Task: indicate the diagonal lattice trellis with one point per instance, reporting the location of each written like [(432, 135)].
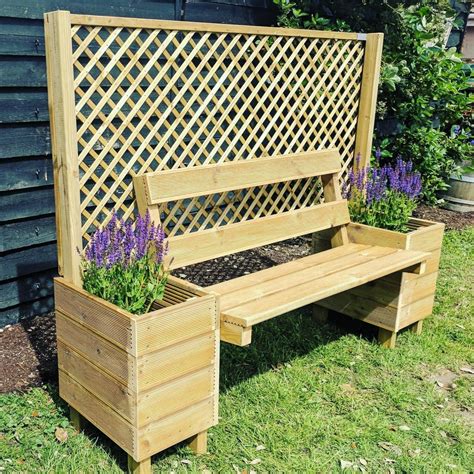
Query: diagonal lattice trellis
[(152, 98)]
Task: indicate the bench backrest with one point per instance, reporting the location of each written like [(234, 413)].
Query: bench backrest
[(198, 228)]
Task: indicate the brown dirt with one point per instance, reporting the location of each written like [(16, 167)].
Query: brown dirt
[(453, 220), (28, 349)]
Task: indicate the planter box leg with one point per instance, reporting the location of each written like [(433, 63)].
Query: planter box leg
[(76, 419), (320, 314), (142, 467), (387, 338), (417, 327), (199, 443)]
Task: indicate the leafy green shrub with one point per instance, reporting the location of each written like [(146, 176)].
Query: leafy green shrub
[(423, 87), (123, 264)]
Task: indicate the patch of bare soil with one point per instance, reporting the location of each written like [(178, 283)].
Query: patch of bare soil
[(453, 220), (28, 354), (446, 381)]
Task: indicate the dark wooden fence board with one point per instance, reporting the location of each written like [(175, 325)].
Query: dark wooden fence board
[(20, 234), (26, 310), (22, 204), (23, 106), (26, 261), (26, 173), (29, 288), (27, 225), (24, 140), (35, 9)]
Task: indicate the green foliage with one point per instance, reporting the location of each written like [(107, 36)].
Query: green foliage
[(295, 15), (133, 288), (423, 85), (393, 212), (123, 264)]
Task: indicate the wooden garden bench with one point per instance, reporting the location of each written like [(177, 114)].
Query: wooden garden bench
[(257, 297)]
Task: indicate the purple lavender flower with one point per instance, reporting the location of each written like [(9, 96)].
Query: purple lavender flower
[(122, 243), (374, 182)]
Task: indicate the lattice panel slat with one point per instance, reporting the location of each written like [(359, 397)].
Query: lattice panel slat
[(150, 99)]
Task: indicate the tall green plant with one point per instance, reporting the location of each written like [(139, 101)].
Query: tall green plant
[(423, 84)]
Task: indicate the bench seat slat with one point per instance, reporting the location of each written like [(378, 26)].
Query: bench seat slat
[(285, 280), (251, 311), (247, 281), (195, 247)]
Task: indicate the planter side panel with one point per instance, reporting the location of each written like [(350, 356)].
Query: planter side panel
[(103, 318), (98, 413), (177, 373), (397, 300), (418, 291), (147, 382)]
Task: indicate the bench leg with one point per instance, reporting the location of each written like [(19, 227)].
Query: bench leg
[(234, 334), (417, 327), (139, 467), (319, 314), (387, 338), (77, 421), (199, 443)]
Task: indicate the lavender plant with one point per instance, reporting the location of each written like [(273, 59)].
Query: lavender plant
[(383, 196), (123, 264)]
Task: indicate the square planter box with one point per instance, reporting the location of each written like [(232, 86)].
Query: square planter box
[(398, 300), (147, 382)]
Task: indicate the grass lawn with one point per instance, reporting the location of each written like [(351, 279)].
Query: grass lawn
[(304, 398)]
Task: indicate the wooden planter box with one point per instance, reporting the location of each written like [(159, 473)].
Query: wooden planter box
[(147, 382), (398, 300)]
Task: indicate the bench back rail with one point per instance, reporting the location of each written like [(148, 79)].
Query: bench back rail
[(186, 189)]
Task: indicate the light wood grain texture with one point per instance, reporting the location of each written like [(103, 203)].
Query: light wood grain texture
[(164, 365), (166, 399), (198, 443), (139, 467), (192, 248), (179, 322), (118, 395), (416, 311), (364, 309), (102, 317), (169, 372), (110, 358), (235, 334), (387, 339), (171, 185), (64, 143), (97, 412), (168, 431), (395, 301), (288, 291), (207, 27), (368, 99), (332, 192)]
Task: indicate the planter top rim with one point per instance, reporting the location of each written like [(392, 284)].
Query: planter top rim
[(200, 292)]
